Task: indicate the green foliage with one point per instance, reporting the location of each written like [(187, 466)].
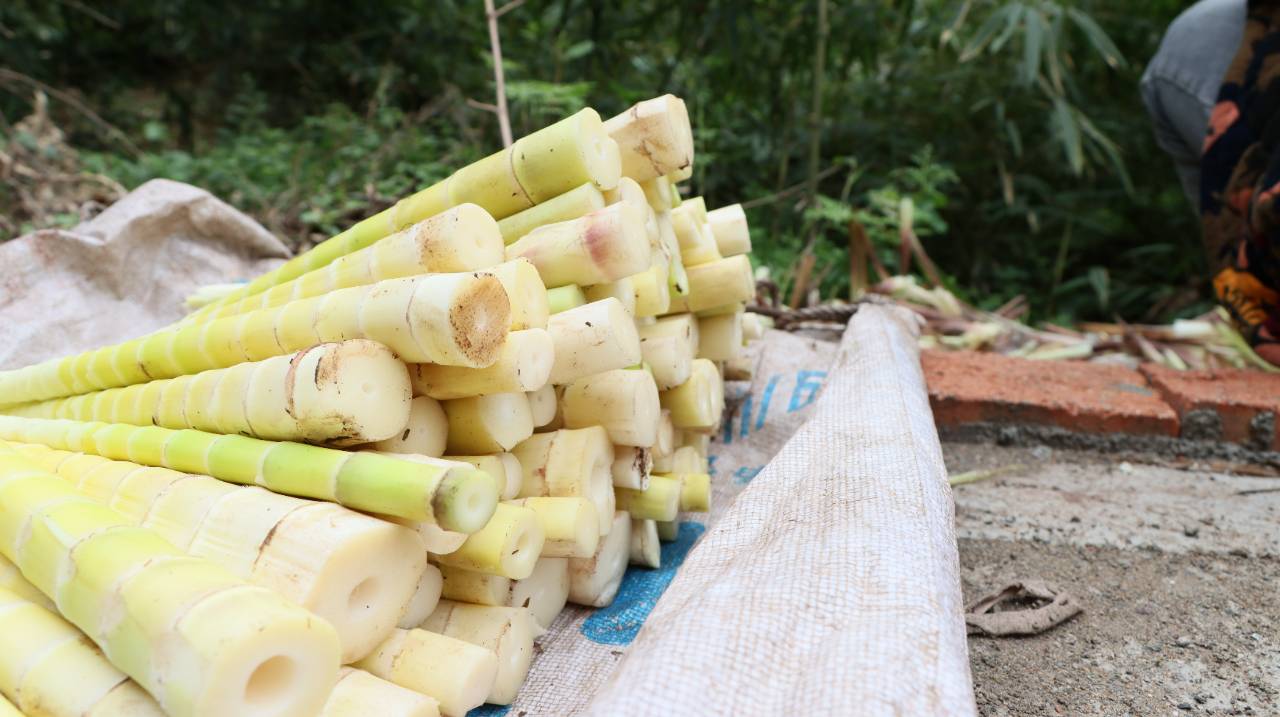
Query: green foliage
[(1013, 126)]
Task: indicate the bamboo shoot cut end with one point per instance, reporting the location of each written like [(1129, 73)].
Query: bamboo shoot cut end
[(600, 336), (594, 581), (351, 392), (424, 433), (542, 403), (645, 548), (425, 598), (545, 591)]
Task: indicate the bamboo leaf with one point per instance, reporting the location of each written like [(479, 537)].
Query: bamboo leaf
[(1032, 47), (984, 35), (1100, 280), (1108, 148), (1062, 121), (1097, 37), (1014, 19)]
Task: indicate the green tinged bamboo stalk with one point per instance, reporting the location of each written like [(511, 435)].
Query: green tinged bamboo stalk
[(463, 238), (572, 204), (200, 640), (457, 319), (536, 168), (48, 667), (348, 392), (352, 570), (457, 497), (563, 298)]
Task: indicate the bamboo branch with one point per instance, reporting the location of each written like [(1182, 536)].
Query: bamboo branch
[(815, 112), (110, 129), (504, 120)]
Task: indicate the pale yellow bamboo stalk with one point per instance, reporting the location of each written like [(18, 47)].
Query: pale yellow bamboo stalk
[(570, 526), (457, 497), (680, 175), (574, 203), (700, 442), (524, 364), (645, 548), (660, 501), (563, 298), (666, 443), (605, 245), (50, 669), (677, 275), (425, 598), (720, 337), (463, 238), (594, 581), (729, 226), (689, 459), (488, 424), (527, 293), (535, 169), (668, 530), (544, 592), (508, 545), (454, 672), (11, 579), (754, 326), (352, 570), (695, 491), (506, 631), (631, 468), (698, 403), (697, 243), (600, 336), (623, 290), (652, 291), (503, 467), (657, 192), (425, 433), (200, 640), (457, 319), (348, 392), (654, 138), (570, 463), (721, 283), (623, 401), (669, 346), (360, 694), (542, 404)]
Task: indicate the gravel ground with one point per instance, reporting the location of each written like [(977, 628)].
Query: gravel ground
[(1178, 573)]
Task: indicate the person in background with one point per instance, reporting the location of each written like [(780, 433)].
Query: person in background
[(1213, 93)]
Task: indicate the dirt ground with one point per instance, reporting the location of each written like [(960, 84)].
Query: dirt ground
[(1178, 572)]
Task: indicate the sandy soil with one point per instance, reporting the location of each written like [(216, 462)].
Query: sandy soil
[(1178, 572)]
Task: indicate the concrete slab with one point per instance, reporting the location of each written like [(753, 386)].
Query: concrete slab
[(1177, 572)]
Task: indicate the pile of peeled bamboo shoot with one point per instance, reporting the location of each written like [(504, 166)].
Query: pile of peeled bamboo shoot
[(367, 481)]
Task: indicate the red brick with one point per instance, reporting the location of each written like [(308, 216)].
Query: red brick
[(967, 387), (1236, 395)]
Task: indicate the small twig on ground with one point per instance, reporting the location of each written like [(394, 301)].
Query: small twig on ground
[(976, 476), (1256, 491)]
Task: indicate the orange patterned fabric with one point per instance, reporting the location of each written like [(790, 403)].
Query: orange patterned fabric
[(1240, 182)]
